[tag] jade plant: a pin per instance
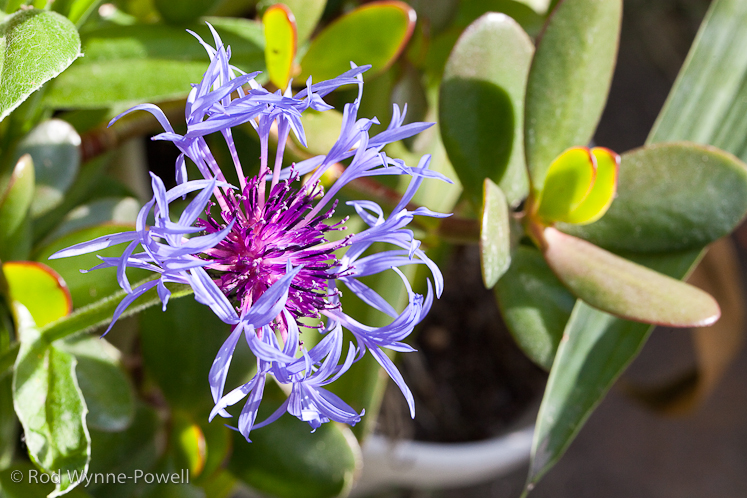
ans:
(580, 243)
(585, 248)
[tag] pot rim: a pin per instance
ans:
(391, 463)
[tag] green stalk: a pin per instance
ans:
(89, 318)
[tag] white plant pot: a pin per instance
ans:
(419, 465)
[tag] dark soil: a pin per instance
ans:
(468, 377)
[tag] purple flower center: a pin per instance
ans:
(265, 235)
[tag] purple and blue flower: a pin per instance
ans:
(260, 254)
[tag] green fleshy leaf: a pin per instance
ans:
(17, 247)
(105, 387)
(535, 305)
(92, 182)
(86, 222)
(378, 97)
(569, 80)
(439, 196)
(602, 193)
(430, 53)
(706, 105)
(409, 90)
(519, 10)
(620, 287)
(40, 289)
(436, 195)
(54, 149)
(280, 44)
(569, 181)
(15, 202)
(50, 405)
(437, 15)
(307, 14)
(481, 106)
(11, 6)
(495, 236)
(671, 197)
(539, 6)
(106, 83)
(286, 460)
(100, 312)
(120, 211)
(599, 347)
(25, 65)
(371, 34)
(165, 58)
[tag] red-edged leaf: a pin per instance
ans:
(623, 288)
(40, 289)
(280, 43)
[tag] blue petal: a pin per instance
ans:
(385, 362)
(222, 362)
(249, 413)
(197, 206)
(369, 296)
(261, 349)
(234, 396)
(96, 244)
(207, 293)
(153, 109)
(128, 300)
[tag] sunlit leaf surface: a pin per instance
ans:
(495, 237)
(569, 80)
(280, 44)
(373, 34)
(481, 106)
(35, 46)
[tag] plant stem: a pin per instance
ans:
(88, 318)
(459, 230)
(103, 139)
